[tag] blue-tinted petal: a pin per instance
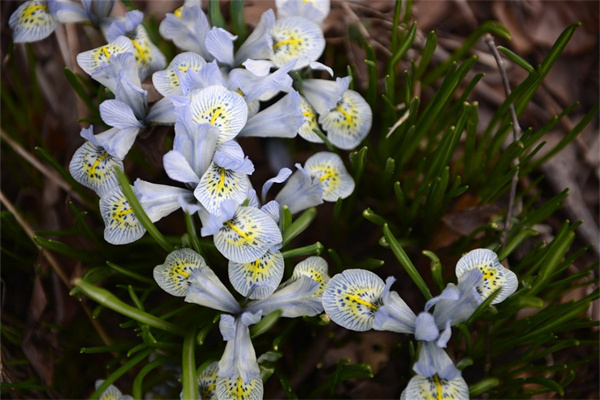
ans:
(207, 382)
(494, 274)
(187, 30)
(425, 328)
(434, 361)
(259, 44)
(323, 95)
(294, 300)
(218, 185)
(111, 392)
(309, 123)
(315, 10)
(121, 224)
(206, 289)
(257, 279)
(328, 169)
(423, 388)
(70, 12)
(178, 168)
(219, 43)
(197, 143)
(352, 298)
(162, 112)
(262, 87)
(93, 167)
(230, 155)
(172, 276)
(314, 268)
(349, 122)
(296, 38)
(32, 21)
(281, 119)
(117, 142)
(119, 68)
(300, 192)
(281, 177)
(119, 115)
(124, 26)
(92, 60)
(258, 67)
(167, 81)
(394, 315)
(159, 201)
(247, 236)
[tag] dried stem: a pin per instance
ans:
(516, 128)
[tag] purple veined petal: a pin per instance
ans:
(352, 298)
(322, 94)
(219, 43)
(257, 279)
(32, 21)
(207, 290)
(178, 168)
(172, 276)
(117, 142)
(121, 224)
(93, 167)
(159, 201)
(309, 122)
(294, 300)
(167, 82)
(119, 115)
(329, 170)
(239, 373)
(207, 382)
(272, 209)
(221, 108)
(218, 185)
(425, 328)
(227, 327)
(259, 44)
(495, 275)
(394, 315)
(316, 10)
(296, 38)
(281, 177)
(300, 192)
(433, 360)
(349, 122)
(187, 29)
(247, 235)
(91, 60)
(281, 119)
(162, 112)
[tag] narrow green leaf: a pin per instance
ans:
(299, 225)
(516, 242)
(436, 269)
(357, 159)
(265, 324)
(129, 273)
(189, 379)
(237, 18)
(311, 250)
(516, 59)
(192, 234)
(137, 387)
(214, 13)
(483, 386)
(371, 216)
(62, 248)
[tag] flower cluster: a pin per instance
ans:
(359, 300)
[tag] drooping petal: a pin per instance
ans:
(322, 94)
(329, 169)
(93, 167)
(187, 29)
(221, 108)
(423, 388)
(349, 122)
(316, 269)
(257, 279)
(281, 119)
(309, 123)
(259, 44)
(207, 382)
(300, 191)
(172, 276)
(494, 274)
(294, 300)
(91, 60)
(119, 115)
(159, 201)
(433, 360)
(167, 81)
(70, 12)
(219, 43)
(218, 185)
(32, 21)
(162, 112)
(296, 38)
(206, 289)
(352, 298)
(247, 236)
(121, 224)
(394, 315)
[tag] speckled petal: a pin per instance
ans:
(296, 38)
(352, 298)
(91, 60)
(167, 81)
(349, 122)
(32, 21)
(172, 276)
(219, 184)
(309, 124)
(329, 169)
(257, 279)
(207, 382)
(93, 167)
(121, 224)
(423, 388)
(494, 274)
(316, 269)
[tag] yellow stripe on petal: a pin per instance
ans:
(237, 389)
(93, 59)
(147, 56)
(352, 298)
(32, 21)
(219, 184)
(436, 388)
(121, 224)
(316, 269)
(296, 38)
(207, 382)
(167, 81)
(172, 276)
(93, 167)
(257, 279)
(349, 122)
(329, 169)
(309, 124)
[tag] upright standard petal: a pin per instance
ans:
(219, 43)
(281, 176)
(247, 236)
(167, 81)
(494, 274)
(259, 44)
(172, 276)
(148, 57)
(315, 10)
(221, 108)
(294, 300)
(281, 119)
(349, 122)
(218, 185)
(329, 169)
(32, 21)
(300, 192)
(187, 29)
(352, 298)
(91, 60)
(296, 38)
(93, 167)
(207, 290)
(394, 315)
(117, 142)
(121, 224)
(322, 94)
(257, 279)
